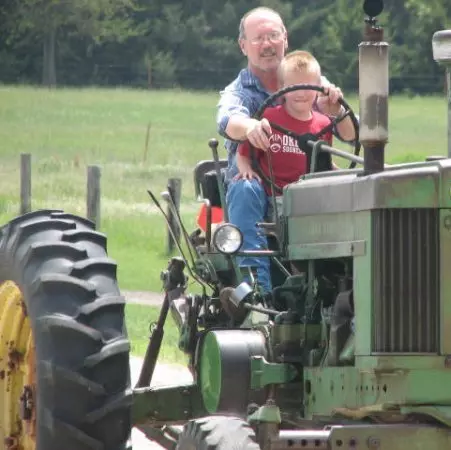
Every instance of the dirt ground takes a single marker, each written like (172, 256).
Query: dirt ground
(143, 297)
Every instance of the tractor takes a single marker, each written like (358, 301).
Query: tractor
(352, 350)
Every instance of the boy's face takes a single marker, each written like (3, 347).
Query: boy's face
(301, 100)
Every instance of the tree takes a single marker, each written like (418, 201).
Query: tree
(193, 43)
(49, 20)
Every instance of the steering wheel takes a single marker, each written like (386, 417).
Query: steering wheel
(323, 159)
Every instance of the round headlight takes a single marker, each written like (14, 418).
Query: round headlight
(227, 238)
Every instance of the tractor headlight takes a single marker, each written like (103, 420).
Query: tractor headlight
(227, 238)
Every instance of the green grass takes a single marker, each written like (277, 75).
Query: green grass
(138, 318)
(66, 130)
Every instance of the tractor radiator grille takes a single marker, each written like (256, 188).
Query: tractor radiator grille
(405, 280)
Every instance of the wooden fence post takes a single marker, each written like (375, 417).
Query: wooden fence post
(146, 144)
(149, 74)
(25, 183)
(93, 195)
(175, 190)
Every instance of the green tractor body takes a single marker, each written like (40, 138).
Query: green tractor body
(374, 358)
(352, 350)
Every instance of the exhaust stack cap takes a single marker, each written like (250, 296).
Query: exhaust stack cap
(441, 46)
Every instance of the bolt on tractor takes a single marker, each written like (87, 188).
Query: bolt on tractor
(352, 349)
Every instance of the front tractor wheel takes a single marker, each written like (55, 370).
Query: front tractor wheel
(64, 353)
(217, 433)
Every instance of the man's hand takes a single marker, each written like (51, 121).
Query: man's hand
(258, 133)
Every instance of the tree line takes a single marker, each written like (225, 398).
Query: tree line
(193, 44)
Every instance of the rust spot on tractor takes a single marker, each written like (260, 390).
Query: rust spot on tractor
(374, 443)
(24, 308)
(11, 443)
(14, 358)
(26, 404)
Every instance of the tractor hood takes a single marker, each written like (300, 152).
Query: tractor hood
(416, 185)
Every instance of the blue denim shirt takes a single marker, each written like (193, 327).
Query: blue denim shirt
(243, 96)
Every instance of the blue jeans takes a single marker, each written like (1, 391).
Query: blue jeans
(247, 204)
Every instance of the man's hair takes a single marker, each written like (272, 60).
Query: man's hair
(241, 33)
(299, 61)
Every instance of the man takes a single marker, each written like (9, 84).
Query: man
(263, 40)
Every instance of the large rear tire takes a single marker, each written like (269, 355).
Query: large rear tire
(64, 352)
(217, 433)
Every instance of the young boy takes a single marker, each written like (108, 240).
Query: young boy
(288, 161)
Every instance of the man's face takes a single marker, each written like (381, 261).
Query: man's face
(264, 42)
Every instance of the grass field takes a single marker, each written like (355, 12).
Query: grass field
(66, 130)
(138, 318)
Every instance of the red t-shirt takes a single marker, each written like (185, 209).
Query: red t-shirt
(289, 162)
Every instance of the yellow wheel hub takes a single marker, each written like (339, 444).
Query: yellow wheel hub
(17, 372)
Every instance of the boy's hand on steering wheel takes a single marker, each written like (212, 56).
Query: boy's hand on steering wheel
(258, 134)
(328, 102)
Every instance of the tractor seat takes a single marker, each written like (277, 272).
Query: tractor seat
(206, 186)
(206, 182)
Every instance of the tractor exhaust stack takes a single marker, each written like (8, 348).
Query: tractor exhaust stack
(373, 90)
(441, 50)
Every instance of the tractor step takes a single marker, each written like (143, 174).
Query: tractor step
(372, 437)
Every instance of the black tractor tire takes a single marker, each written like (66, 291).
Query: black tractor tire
(217, 433)
(70, 296)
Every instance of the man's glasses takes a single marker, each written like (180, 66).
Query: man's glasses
(274, 37)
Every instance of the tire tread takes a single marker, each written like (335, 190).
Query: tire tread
(69, 287)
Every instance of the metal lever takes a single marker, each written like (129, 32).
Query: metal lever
(213, 144)
(167, 197)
